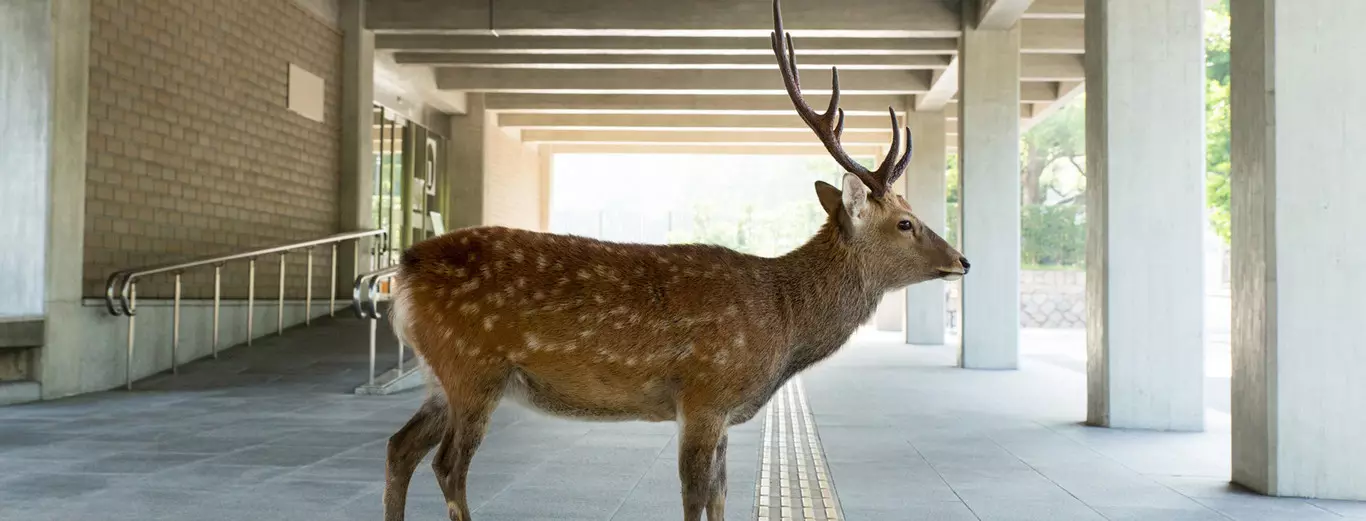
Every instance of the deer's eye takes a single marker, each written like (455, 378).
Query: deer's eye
(904, 225)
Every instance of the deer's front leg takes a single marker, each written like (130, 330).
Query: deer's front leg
(716, 507)
(700, 433)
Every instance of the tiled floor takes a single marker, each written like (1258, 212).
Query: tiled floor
(273, 433)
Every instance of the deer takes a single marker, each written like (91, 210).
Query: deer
(697, 334)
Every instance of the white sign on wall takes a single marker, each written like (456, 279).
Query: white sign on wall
(306, 92)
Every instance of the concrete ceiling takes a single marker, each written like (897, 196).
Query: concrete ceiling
(648, 75)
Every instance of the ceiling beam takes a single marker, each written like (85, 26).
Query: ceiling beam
(1069, 91)
(687, 122)
(943, 86)
(1065, 36)
(702, 138)
(668, 61)
(1052, 67)
(713, 148)
(901, 19)
(598, 45)
(1038, 91)
(997, 15)
(777, 104)
(670, 81)
(951, 110)
(1056, 9)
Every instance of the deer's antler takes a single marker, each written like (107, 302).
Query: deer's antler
(830, 125)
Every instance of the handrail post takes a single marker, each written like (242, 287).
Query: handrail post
(332, 291)
(175, 328)
(280, 303)
(217, 300)
(373, 323)
(251, 297)
(132, 327)
(308, 293)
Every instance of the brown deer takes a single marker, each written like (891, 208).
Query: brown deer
(701, 335)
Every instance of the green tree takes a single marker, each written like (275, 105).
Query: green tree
(1061, 136)
(1217, 130)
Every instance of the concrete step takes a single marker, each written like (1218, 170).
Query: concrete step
(20, 391)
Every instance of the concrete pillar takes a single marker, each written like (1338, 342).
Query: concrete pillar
(1298, 289)
(465, 168)
(1145, 78)
(44, 100)
(26, 90)
(356, 188)
(989, 167)
(925, 191)
(547, 171)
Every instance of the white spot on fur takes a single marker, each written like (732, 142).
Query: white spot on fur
(488, 323)
(518, 256)
(584, 275)
(469, 308)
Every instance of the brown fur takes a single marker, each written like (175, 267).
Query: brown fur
(589, 329)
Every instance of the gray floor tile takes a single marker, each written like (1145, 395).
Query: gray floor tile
(137, 462)
(278, 456)
(915, 511)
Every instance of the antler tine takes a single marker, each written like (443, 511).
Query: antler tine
(828, 126)
(888, 171)
(904, 162)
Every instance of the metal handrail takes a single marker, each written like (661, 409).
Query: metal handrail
(128, 277)
(120, 292)
(364, 294)
(365, 297)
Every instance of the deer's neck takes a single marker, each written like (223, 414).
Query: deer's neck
(828, 296)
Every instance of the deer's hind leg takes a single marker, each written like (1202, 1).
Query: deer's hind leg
(407, 447)
(471, 396)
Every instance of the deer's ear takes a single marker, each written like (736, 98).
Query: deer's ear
(855, 199)
(829, 196)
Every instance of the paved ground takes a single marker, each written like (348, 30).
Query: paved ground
(272, 433)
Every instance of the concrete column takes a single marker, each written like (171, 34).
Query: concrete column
(53, 76)
(26, 60)
(356, 188)
(1145, 77)
(989, 167)
(1298, 151)
(465, 169)
(547, 171)
(924, 185)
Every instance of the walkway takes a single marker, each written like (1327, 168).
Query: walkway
(270, 432)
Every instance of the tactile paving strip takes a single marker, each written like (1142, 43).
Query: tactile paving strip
(794, 481)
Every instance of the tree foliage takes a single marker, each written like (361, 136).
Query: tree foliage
(1217, 114)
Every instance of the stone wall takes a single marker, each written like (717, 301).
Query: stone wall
(1048, 299)
(1053, 299)
(192, 150)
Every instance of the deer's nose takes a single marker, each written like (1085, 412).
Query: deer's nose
(964, 262)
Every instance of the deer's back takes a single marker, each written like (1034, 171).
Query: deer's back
(596, 328)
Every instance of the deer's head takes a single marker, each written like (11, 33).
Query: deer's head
(888, 240)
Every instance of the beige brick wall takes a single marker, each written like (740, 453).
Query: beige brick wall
(192, 149)
(512, 179)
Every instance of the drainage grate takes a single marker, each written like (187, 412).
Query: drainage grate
(794, 482)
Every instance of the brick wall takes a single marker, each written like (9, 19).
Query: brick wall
(192, 149)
